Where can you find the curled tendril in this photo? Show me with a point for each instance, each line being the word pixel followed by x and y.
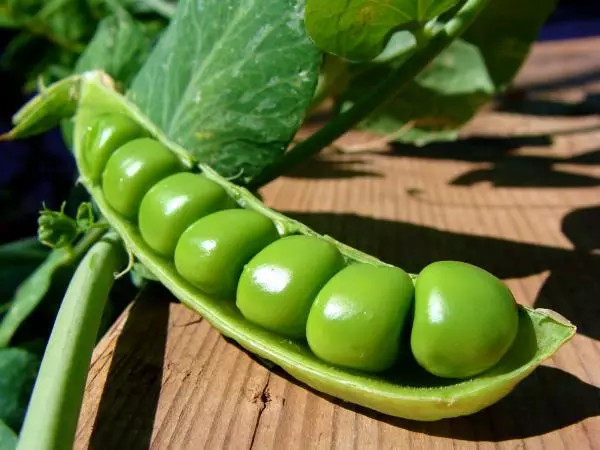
pixel 130 264
pixel 58 230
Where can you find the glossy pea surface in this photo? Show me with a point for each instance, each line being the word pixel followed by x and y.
pixel 279 285
pixel 108 133
pixel 211 253
pixel 358 317
pixel 465 319
pixel 132 170
pixel 173 204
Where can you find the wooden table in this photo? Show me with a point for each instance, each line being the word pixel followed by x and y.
pixel 519 196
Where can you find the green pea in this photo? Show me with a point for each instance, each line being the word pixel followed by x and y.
pixel 212 252
pixel 358 317
pixel 279 284
pixel 173 204
pixel 465 319
pixel 108 133
pixel 133 169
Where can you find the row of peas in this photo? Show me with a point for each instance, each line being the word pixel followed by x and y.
pixel 461 319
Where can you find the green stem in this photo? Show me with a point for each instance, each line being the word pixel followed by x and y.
pixel 379 96
pixel 55 404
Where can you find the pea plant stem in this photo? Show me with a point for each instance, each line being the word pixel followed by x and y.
pixel 379 96
pixel 55 403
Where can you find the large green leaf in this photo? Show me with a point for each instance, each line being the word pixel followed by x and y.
pixel 230 81
pixel 18 369
pixel 437 102
pixel 359 29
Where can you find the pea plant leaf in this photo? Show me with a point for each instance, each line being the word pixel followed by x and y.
pixel 436 103
pixel 119 47
pixel 43 284
pixel 17 260
pixel 45 110
pixel 64 22
pixel 8 438
pixel 33 56
pixel 485 61
pixel 504 32
pixel 230 81
pixel 359 29
pixel 30 294
pixel 18 368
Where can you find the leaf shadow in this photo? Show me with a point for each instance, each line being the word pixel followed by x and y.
pixel 129 400
pixel 518 101
pixel 581 226
pixel 322 167
pixel 505 167
pixel 572 81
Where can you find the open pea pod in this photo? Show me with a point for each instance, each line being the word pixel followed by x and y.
pixel 406 390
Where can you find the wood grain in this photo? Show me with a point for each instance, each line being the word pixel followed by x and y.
pixel 519 196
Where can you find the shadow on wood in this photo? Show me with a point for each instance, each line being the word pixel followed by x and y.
pixel 129 401
pixel 581 226
pixel 506 167
pixel 322 167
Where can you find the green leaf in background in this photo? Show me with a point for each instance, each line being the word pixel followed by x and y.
pixel 486 60
pixel 7 21
pixel 438 101
pixel 64 22
pixel 119 47
pixel 165 8
pixel 359 29
pixel 504 33
pixel 46 110
pixel 29 295
pixel 17 260
pixel 230 81
pixel 52 34
pixel 28 250
pixel 18 368
pixel 34 56
pixel 399 46
pixel 8 438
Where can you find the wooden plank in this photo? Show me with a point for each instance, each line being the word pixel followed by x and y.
pixel 519 195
